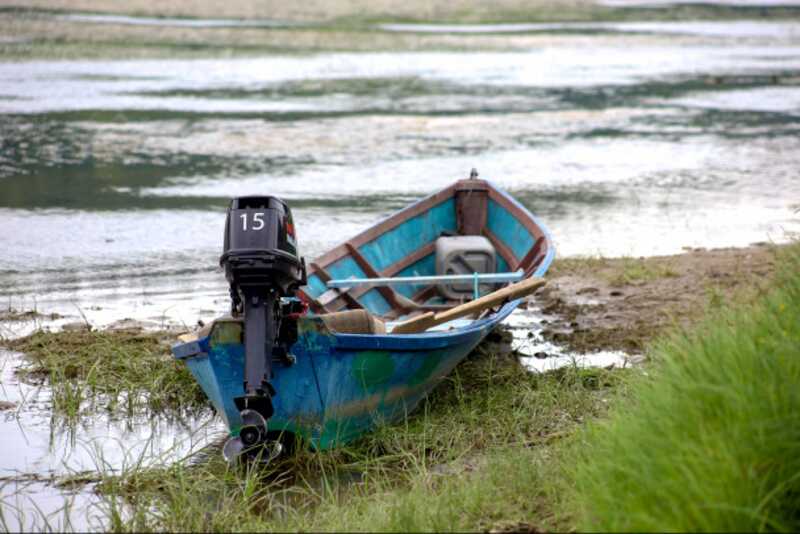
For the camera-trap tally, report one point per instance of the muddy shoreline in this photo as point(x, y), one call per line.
point(624, 303)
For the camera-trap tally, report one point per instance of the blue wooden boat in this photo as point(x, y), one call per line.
point(342, 373)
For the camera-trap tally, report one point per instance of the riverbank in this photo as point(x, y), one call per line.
point(624, 303)
point(112, 30)
point(456, 462)
point(590, 304)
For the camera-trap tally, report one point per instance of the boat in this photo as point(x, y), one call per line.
point(356, 339)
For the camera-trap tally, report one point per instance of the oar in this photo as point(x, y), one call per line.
point(430, 319)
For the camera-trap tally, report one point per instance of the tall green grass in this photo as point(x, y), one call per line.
point(711, 439)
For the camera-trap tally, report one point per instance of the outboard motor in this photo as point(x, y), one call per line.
point(262, 267)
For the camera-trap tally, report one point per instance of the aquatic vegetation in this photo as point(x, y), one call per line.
point(711, 441)
point(121, 371)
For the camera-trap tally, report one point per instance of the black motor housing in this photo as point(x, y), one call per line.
point(262, 266)
point(260, 245)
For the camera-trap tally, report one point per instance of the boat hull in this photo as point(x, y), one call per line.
point(339, 386)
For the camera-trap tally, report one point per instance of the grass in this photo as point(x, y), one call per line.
point(706, 439)
point(639, 270)
point(712, 441)
point(617, 271)
point(579, 265)
point(468, 459)
point(116, 370)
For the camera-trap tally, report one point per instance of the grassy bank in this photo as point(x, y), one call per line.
point(712, 441)
point(124, 372)
point(705, 439)
point(470, 458)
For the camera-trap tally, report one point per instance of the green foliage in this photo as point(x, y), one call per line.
point(712, 441)
point(121, 371)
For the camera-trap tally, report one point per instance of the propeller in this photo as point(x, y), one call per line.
point(251, 443)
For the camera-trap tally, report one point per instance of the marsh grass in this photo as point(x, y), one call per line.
point(712, 441)
point(617, 271)
point(125, 372)
point(466, 459)
point(579, 265)
point(638, 271)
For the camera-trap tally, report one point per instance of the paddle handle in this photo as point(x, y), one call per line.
point(430, 319)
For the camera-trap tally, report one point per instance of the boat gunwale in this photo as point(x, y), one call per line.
point(516, 208)
point(422, 341)
point(537, 229)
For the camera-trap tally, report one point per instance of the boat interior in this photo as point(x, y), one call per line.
point(469, 230)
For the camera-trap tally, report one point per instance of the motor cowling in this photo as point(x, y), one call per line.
point(260, 246)
point(263, 268)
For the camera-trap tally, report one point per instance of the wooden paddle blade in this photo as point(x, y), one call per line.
point(428, 320)
point(420, 323)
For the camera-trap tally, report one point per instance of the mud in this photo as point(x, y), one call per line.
point(596, 304)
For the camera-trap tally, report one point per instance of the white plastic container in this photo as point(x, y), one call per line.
point(464, 254)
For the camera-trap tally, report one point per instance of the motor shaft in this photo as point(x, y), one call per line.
point(261, 324)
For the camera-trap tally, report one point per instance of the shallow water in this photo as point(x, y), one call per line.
point(114, 174)
point(739, 29)
point(41, 453)
point(539, 355)
point(625, 139)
